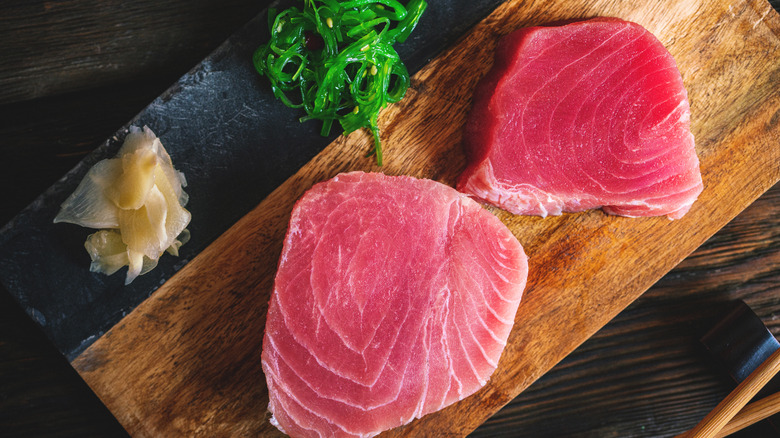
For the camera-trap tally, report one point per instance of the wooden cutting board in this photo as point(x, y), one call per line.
point(186, 362)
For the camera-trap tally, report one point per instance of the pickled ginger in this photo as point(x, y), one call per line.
point(137, 202)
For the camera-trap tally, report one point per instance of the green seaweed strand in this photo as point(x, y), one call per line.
point(336, 60)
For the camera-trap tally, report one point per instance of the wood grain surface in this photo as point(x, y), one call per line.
point(99, 42)
point(186, 362)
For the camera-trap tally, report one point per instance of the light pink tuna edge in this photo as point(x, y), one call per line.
point(480, 182)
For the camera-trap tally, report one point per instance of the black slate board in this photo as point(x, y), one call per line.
point(234, 142)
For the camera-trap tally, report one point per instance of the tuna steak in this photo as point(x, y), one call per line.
point(394, 298)
point(583, 115)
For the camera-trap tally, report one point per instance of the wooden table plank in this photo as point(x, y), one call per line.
point(53, 47)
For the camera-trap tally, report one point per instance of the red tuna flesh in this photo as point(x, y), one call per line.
point(394, 298)
point(584, 115)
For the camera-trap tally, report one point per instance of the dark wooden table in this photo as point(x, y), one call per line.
point(73, 72)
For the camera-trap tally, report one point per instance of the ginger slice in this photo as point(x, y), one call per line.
point(137, 199)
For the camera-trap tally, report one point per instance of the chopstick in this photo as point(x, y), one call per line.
point(719, 417)
point(751, 414)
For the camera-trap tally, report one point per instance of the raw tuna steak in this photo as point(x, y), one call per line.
point(394, 298)
point(583, 115)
